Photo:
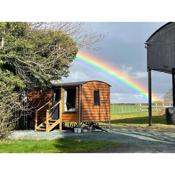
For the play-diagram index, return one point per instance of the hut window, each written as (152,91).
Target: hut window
(96,97)
(70,99)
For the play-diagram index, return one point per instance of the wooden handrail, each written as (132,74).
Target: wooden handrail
(55,105)
(43,106)
(36,114)
(49,115)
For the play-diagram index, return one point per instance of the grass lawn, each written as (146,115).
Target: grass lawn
(52,146)
(140,120)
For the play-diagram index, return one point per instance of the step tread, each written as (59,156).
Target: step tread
(52,124)
(52,120)
(41,129)
(42,126)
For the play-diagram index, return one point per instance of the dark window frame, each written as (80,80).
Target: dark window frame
(96,97)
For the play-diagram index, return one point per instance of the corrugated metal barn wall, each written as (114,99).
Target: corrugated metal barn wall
(161,49)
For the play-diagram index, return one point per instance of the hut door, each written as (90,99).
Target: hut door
(56,98)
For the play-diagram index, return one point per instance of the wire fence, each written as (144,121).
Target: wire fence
(134,108)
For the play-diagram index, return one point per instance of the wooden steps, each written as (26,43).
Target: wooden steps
(51,125)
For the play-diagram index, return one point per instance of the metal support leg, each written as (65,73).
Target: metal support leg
(173,87)
(149,98)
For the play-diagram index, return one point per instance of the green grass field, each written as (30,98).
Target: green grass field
(131,108)
(140,120)
(135,115)
(137,118)
(52,146)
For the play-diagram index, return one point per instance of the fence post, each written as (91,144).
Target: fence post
(60,114)
(47,121)
(36,119)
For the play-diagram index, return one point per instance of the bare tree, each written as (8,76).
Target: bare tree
(83,38)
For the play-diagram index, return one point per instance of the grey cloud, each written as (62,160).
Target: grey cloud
(123,48)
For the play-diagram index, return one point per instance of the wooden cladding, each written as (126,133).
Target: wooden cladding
(95,108)
(70,117)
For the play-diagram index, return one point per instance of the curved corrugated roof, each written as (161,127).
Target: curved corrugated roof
(158,30)
(77,83)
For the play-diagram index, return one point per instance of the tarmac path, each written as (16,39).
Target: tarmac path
(129,140)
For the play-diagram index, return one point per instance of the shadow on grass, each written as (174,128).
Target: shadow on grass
(80,146)
(140,120)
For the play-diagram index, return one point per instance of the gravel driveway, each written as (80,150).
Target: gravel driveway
(129,140)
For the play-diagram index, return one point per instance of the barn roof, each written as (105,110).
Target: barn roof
(77,83)
(158,30)
(161,49)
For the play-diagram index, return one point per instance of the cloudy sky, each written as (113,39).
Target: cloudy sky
(123,48)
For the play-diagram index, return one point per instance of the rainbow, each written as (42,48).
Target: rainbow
(115,73)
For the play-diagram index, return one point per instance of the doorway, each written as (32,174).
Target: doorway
(70,99)
(55,99)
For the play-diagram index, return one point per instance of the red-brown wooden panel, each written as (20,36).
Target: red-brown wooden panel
(90,112)
(70,117)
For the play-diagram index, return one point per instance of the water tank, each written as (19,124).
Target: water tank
(170,115)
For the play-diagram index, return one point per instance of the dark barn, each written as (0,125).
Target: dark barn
(161,57)
(77,102)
